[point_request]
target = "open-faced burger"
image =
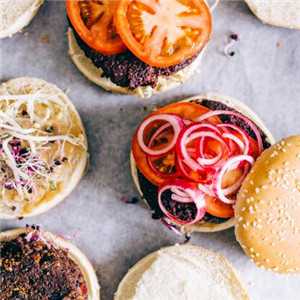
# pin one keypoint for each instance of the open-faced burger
(182, 272)
(43, 147)
(137, 46)
(37, 264)
(190, 158)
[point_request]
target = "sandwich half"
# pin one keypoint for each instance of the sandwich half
(137, 47)
(188, 170)
(43, 147)
(37, 264)
(182, 272)
(16, 14)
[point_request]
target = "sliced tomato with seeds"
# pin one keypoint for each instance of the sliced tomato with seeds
(94, 23)
(164, 166)
(163, 33)
(185, 110)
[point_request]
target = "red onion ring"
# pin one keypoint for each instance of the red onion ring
(174, 121)
(184, 139)
(226, 112)
(217, 181)
(193, 194)
(243, 133)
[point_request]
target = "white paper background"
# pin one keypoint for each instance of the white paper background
(114, 235)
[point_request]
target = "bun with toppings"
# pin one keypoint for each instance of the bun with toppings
(268, 209)
(43, 149)
(190, 158)
(60, 270)
(182, 272)
(138, 47)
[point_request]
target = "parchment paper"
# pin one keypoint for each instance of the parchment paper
(264, 73)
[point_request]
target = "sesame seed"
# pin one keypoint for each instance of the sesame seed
(257, 190)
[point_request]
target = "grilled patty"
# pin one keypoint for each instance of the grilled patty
(33, 270)
(187, 211)
(126, 70)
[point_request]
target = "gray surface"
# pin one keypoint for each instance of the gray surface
(114, 235)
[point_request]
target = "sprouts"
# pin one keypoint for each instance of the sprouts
(34, 134)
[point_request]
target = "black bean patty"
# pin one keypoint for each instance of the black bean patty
(187, 211)
(126, 70)
(31, 270)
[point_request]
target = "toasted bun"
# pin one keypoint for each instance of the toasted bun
(268, 209)
(94, 74)
(242, 108)
(182, 272)
(74, 253)
(16, 14)
(78, 157)
(277, 12)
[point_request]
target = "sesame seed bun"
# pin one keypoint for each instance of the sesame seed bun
(268, 209)
(75, 254)
(71, 172)
(238, 106)
(277, 12)
(182, 272)
(16, 14)
(94, 74)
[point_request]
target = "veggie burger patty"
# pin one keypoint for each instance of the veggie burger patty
(186, 211)
(33, 270)
(126, 70)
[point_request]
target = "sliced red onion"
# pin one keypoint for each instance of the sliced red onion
(235, 187)
(236, 114)
(184, 138)
(192, 194)
(174, 121)
(217, 182)
(157, 133)
(243, 133)
(181, 168)
(206, 189)
(235, 139)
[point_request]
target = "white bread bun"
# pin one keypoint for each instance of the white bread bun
(182, 272)
(280, 13)
(75, 254)
(268, 209)
(69, 122)
(16, 14)
(238, 106)
(86, 66)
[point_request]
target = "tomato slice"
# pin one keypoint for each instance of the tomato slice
(218, 208)
(163, 33)
(94, 23)
(164, 166)
(185, 110)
